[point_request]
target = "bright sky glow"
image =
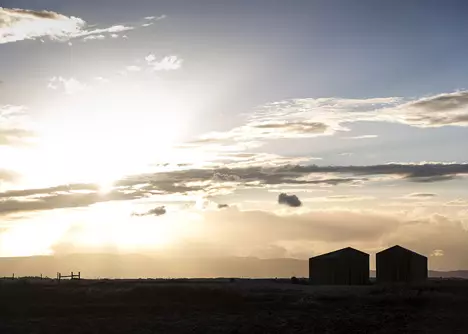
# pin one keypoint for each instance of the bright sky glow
(164, 129)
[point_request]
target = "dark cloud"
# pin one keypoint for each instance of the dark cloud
(430, 172)
(444, 102)
(422, 195)
(290, 200)
(295, 174)
(214, 181)
(25, 13)
(63, 200)
(223, 206)
(158, 211)
(435, 178)
(440, 110)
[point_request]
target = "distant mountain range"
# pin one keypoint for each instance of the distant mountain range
(440, 274)
(143, 266)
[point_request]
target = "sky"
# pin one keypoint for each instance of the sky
(266, 129)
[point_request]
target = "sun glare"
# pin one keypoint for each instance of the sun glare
(99, 138)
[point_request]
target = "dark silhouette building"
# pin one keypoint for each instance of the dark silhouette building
(398, 264)
(347, 266)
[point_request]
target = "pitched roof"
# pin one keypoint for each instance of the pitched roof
(398, 247)
(339, 252)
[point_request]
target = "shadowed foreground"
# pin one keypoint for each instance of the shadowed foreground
(217, 306)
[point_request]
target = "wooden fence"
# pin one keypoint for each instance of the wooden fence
(71, 276)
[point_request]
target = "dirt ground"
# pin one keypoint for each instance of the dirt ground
(240, 306)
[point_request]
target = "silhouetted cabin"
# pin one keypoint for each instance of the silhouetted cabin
(398, 264)
(347, 266)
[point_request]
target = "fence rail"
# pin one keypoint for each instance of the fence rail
(13, 277)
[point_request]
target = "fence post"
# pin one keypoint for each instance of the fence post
(13, 276)
(79, 275)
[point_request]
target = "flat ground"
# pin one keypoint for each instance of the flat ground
(221, 306)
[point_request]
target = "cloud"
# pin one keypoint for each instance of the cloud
(109, 30)
(420, 196)
(293, 127)
(7, 176)
(94, 38)
(158, 211)
(150, 58)
(434, 111)
(155, 18)
(70, 86)
(318, 231)
(14, 136)
(439, 110)
(362, 137)
(102, 80)
(340, 198)
(133, 68)
(437, 252)
(168, 63)
(217, 182)
(22, 24)
(61, 197)
(14, 128)
(290, 200)
(457, 202)
(311, 117)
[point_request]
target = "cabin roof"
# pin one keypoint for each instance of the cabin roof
(340, 252)
(398, 248)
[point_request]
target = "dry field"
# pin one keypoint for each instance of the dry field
(221, 306)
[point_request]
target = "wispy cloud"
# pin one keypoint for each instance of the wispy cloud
(168, 63)
(22, 24)
(437, 253)
(133, 68)
(110, 30)
(362, 137)
(94, 38)
(70, 86)
(7, 176)
(340, 198)
(307, 118)
(155, 18)
(14, 129)
(434, 111)
(458, 202)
